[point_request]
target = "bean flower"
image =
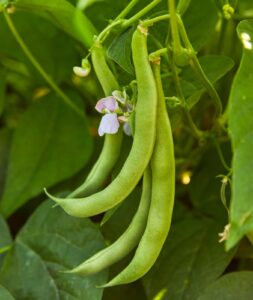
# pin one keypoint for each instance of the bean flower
(116, 109)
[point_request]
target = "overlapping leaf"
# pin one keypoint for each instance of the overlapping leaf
(240, 127)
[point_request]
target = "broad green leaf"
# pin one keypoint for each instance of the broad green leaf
(214, 66)
(2, 91)
(120, 50)
(240, 128)
(51, 143)
(200, 20)
(5, 294)
(191, 259)
(232, 286)
(5, 142)
(5, 239)
(64, 15)
(206, 196)
(52, 241)
(53, 49)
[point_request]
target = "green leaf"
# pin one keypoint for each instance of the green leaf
(51, 143)
(120, 50)
(214, 66)
(232, 286)
(240, 127)
(53, 49)
(4, 294)
(206, 196)
(64, 15)
(5, 238)
(5, 142)
(191, 259)
(52, 241)
(200, 20)
(2, 91)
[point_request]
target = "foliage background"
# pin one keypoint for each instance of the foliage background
(45, 143)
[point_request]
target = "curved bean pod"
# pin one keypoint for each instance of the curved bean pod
(163, 183)
(112, 143)
(126, 242)
(143, 142)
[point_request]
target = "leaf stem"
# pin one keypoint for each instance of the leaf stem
(150, 22)
(38, 67)
(126, 10)
(194, 130)
(221, 156)
(140, 14)
(194, 62)
(174, 28)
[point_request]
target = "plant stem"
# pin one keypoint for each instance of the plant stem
(222, 159)
(194, 62)
(194, 130)
(140, 14)
(126, 10)
(173, 24)
(105, 32)
(150, 22)
(39, 68)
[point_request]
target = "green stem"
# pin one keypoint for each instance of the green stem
(157, 54)
(173, 24)
(39, 68)
(194, 130)
(140, 14)
(222, 159)
(150, 22)
(104, 33)
(126, 10)
(194, 62)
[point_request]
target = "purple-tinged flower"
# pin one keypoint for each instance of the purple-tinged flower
(109, 124)
(108, 104)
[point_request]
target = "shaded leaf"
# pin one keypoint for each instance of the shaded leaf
(53, 49)
(2, 91)
(51, 143)
(240, 127)
(5, 238)
(5, 143)
(214, 66)
(200, 28)
(64, 15)
(49, 242)
(191, 259)
(4, 294)
(232, 286)
(120, 50)
(206, 196)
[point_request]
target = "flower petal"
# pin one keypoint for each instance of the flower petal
(81, 72)
(109, 124)
(107, 104)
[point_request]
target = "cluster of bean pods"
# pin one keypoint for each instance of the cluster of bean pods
(151, 157)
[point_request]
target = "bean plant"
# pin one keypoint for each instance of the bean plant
(126, 149)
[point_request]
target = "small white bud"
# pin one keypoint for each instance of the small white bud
(81, 72)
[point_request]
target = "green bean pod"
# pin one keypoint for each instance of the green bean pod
(112, 143)
(163, 186)
(126, 242)
(142, 147)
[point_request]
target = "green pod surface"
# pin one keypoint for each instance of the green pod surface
(112, 143)
(163, 186)
(126, 242)
(143, 142)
